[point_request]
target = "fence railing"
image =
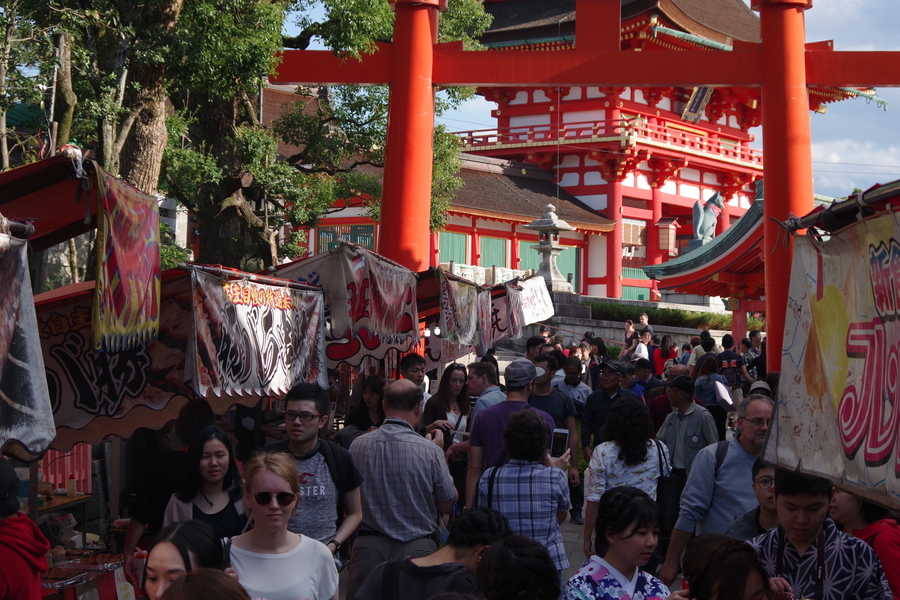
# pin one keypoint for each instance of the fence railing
(627, 132)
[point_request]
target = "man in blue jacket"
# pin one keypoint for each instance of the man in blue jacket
(716, 490)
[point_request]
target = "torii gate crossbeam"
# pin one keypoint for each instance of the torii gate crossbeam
(783, 65)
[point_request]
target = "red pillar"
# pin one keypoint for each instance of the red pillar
(614, 241)
(654, 253)
(786, 144)
(739, 324)
(406, 201)
(614, 212)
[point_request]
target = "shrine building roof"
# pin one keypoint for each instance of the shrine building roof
(512, 191)
(527, 20)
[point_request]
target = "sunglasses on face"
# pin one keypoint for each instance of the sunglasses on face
(283, 498)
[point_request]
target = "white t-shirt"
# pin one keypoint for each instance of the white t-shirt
(307, 572)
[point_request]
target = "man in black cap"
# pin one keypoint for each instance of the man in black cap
(598, 404)
(647, 382)
(23, 548)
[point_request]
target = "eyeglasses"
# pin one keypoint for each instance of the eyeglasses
(764, 482)
(283, 498)
(291, 416)
(456, 366)
(757, 422)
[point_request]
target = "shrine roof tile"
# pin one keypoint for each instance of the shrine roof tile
(719, 20)
(501, 188)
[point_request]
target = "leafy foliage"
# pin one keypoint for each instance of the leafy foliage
(170, 253)
(670, 317)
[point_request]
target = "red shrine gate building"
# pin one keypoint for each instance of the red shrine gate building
(628, 163)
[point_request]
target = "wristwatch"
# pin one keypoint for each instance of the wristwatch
(337, 545)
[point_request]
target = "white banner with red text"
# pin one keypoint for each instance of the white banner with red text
(837, 409)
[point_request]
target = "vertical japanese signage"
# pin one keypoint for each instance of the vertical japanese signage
(837, 413)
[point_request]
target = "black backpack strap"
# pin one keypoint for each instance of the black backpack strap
(490, 494)
(721, 451)
(390, 580)
(871, 539)
(226, 551)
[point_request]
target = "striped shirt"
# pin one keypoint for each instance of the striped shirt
(404, 475)
(529, 495)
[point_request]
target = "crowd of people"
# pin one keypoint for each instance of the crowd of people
(462, 494)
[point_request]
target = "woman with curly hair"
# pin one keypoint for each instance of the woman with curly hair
(534, 497)
(630, 456)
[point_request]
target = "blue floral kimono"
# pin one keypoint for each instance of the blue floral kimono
(595, 580)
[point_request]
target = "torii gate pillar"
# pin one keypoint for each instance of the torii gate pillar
(406, 198)
(787, 148)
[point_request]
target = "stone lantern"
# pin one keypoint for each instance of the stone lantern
(548, 228)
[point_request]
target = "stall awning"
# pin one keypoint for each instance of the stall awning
(49, 191)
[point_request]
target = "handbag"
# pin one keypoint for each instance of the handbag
(668, 494)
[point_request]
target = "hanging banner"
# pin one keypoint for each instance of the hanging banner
(527, 302)
(459, 311)
(126, 303)
(485, 330)
(837, 409)
(499, 319)
(370, 303)
(26, 418)
(252, 338)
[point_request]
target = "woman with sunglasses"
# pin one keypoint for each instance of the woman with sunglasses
(271, 562)
(213, 491)
(448, 410)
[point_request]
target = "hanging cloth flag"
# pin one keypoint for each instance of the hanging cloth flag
(459, 310)
(693, 110)
(370, 302)
(26, 417)
(253, 339)
(528, 302)
(126, 297)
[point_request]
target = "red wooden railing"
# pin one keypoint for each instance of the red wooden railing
(627, 132)
(57, 466)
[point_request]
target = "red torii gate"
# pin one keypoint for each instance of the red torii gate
(783, 65)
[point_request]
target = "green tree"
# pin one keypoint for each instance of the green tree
(223, 165)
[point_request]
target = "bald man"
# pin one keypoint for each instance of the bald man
(406, 484)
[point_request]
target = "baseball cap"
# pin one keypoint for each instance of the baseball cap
(640, 362)
(760, 385)
(521, 372)
(614, 365)
(683, 383)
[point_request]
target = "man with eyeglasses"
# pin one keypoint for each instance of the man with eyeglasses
(406, 486)
(329, 482)
(762, 518)
(716, 490)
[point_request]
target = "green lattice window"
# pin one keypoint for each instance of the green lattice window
(453, 247)
(327, 237)
(493, 252)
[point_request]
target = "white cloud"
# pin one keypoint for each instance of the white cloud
(841, 165)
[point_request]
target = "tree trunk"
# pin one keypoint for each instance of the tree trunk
(142, 154)
(64, 106)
